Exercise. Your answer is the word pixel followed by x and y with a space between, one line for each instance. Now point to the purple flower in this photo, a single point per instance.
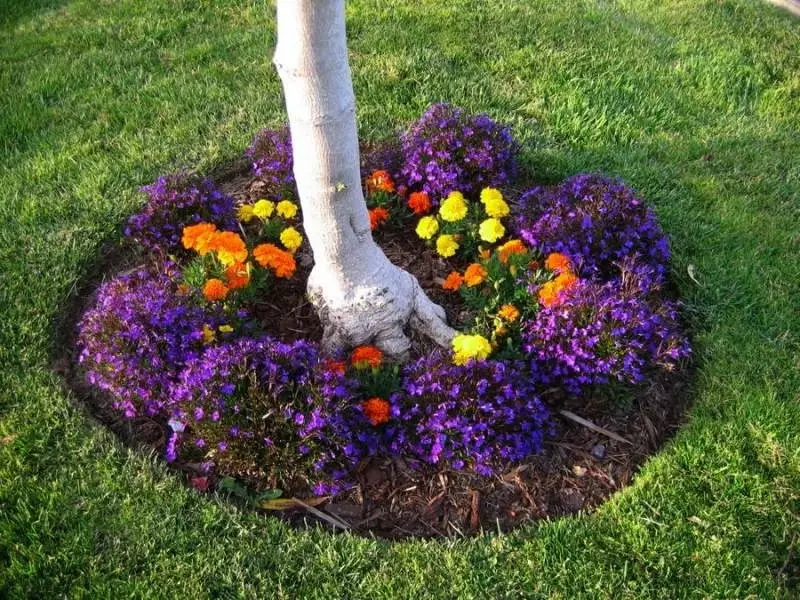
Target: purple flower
pixel 446 150
pixel 272 162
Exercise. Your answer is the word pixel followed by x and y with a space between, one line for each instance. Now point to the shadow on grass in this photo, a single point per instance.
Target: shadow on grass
pixel 22 10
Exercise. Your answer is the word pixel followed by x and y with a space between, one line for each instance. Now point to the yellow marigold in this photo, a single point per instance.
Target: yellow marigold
pixel 427 227
pixel 446 245
pixel 508 312
pixel 208 335
pixel 238 275
pixel 365 357
pixel 286 209
pixel 474 275
pixel 192 233
pixel 454 207
pixel 245 212
pixel 291 238
pixel 263 209
pixel 557 262
pixel 470 347
pixel 491 230
pixel 230 247
pixel 494 204
pixel 214 289
pixel 453 281
pixel 225 329
pixel 377 410
pixel 509 248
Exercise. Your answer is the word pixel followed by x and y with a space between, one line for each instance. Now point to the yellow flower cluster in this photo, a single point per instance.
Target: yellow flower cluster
pixel 491 230
pixel 427 227
pixel 454 208
pixel 264 209
pixel 470 347
pixel 446 245
pixel 291 239
pixel 494 204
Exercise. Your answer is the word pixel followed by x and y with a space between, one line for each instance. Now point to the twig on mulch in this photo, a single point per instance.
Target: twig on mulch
pixel 324 516
pixel 586 423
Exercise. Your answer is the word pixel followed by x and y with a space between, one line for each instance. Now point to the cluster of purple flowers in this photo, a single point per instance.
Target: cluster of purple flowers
pixel 139 335
pixel 447 150
pixel 175 201
pixel 597 222
pixel 481 415
pixel 271 159
pixel 604 331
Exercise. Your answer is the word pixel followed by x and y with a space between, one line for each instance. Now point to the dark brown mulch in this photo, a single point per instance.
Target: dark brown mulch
pixel 577 470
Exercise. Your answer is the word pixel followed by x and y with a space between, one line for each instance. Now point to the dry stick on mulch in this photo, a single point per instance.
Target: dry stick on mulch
pixel 586 423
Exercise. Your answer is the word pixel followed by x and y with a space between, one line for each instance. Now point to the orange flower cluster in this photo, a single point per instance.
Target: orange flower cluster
pixel 380 181
pixel 550 292
pixel 198 237
pixel 509 248
pixel 366 357
pixel 336 366
pixel 419 202
pixel 474 274
pixel 508 312
pixel 453 282
pixel 377 411
pixel 270 256
pixel 377 217
pixel 558 262
pixel 238 276
pixel 215 289
pixel 204 238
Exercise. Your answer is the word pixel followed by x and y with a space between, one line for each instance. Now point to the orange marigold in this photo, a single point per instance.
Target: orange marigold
pixel 270 256
pixel 192 232
pixel 509 248
pixel 474 275
pixel 377 217
pixel 380 181
pixel 336 366
pixel 453 281
pixel 365 357
pixel 508 312
pixel 215 289
pixel 550 292
pixel 230 247
pixel 419 202
pixel 558 262
pixel 377 410
pixel 238 276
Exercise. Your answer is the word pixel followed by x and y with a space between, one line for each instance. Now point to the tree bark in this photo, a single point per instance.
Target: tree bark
pixel 360 295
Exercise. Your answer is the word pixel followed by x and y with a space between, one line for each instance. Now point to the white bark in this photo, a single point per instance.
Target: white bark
pixel 360 295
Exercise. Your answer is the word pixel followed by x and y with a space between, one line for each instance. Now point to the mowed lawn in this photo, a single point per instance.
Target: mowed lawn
pixel 695 103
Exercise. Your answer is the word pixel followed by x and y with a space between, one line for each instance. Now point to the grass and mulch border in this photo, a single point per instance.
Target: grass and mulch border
pixel 694 103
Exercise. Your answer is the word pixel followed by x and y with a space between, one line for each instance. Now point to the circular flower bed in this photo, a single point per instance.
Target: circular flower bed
pixel 558 295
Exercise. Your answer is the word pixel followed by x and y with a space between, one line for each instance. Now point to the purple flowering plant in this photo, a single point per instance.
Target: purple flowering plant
pixel 175 201
pixel 447 150
pixel 272 413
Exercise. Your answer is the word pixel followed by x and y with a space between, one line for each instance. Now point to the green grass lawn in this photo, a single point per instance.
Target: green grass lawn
pixel 694 103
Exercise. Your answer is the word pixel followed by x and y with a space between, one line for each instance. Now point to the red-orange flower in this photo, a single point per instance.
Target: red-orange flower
pixel 215 289
pixel 270 256
pixel 377 410
pixel 508 312
pixel 380 181
pixel 453 282
pixel 238 276
pixel 474 275
pixel 557 262
pixel 509 248
pixel 419 202
pixel 365 357
pixel 377 217
pixel 192 233
pixel 335 366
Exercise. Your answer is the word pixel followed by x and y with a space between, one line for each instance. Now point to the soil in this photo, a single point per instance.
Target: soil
pixel 578 469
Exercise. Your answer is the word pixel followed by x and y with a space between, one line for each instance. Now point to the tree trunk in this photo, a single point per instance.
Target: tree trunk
pixel 360 295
